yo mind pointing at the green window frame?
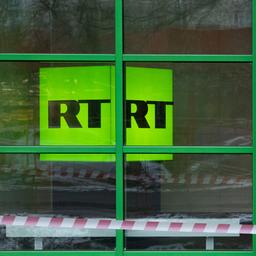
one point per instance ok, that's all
(119, 58)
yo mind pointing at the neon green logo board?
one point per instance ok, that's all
(77, 107)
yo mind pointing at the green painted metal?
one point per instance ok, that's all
(188, 253)
(126, 149)
(254, 116)
(187, 58)
(58, 253)
(119, 124)
(188, 149)
(55, 57)
(56, 149)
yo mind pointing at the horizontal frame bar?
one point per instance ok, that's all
(187, 149)
(126, 57)
(188, 253)
(128, 253)
(55, 57)
(126, 149)
(187, 58)
(57, 149)
(58, 253)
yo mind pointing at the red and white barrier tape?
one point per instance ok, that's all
(179, 225)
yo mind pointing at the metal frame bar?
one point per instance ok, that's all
(119, 124)
(254, 115)
(125, 149)
(187, 150)
(55, 57)
(57, 149)
(188, 253)
(187, 58)
(119, 58)
(58, 253)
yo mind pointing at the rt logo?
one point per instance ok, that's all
(94, 113)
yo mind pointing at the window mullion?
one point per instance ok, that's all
(119, 123)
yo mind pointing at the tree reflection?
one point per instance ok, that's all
(57, 26)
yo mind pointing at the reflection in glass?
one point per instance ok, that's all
(212, 103)
(27, 88)
(30, 186)
(188, 26)
(244, 242)
(59, 26)
(166, 243)
(189, 186)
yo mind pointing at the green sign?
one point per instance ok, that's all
(153, 86)
(77, 107)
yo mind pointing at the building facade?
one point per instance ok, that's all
(127, 110)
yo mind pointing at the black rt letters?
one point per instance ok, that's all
(94, 113)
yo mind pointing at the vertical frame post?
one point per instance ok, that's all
(119, 123)
(254, 117)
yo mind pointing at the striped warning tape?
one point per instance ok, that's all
(189, 179)
(177, 225)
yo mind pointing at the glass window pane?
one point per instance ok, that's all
(188, 26)
(165, 243)
(57, 103)
(59, 26)
(244, 242)
(196, 104)
(32, 185)
(208, 186)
